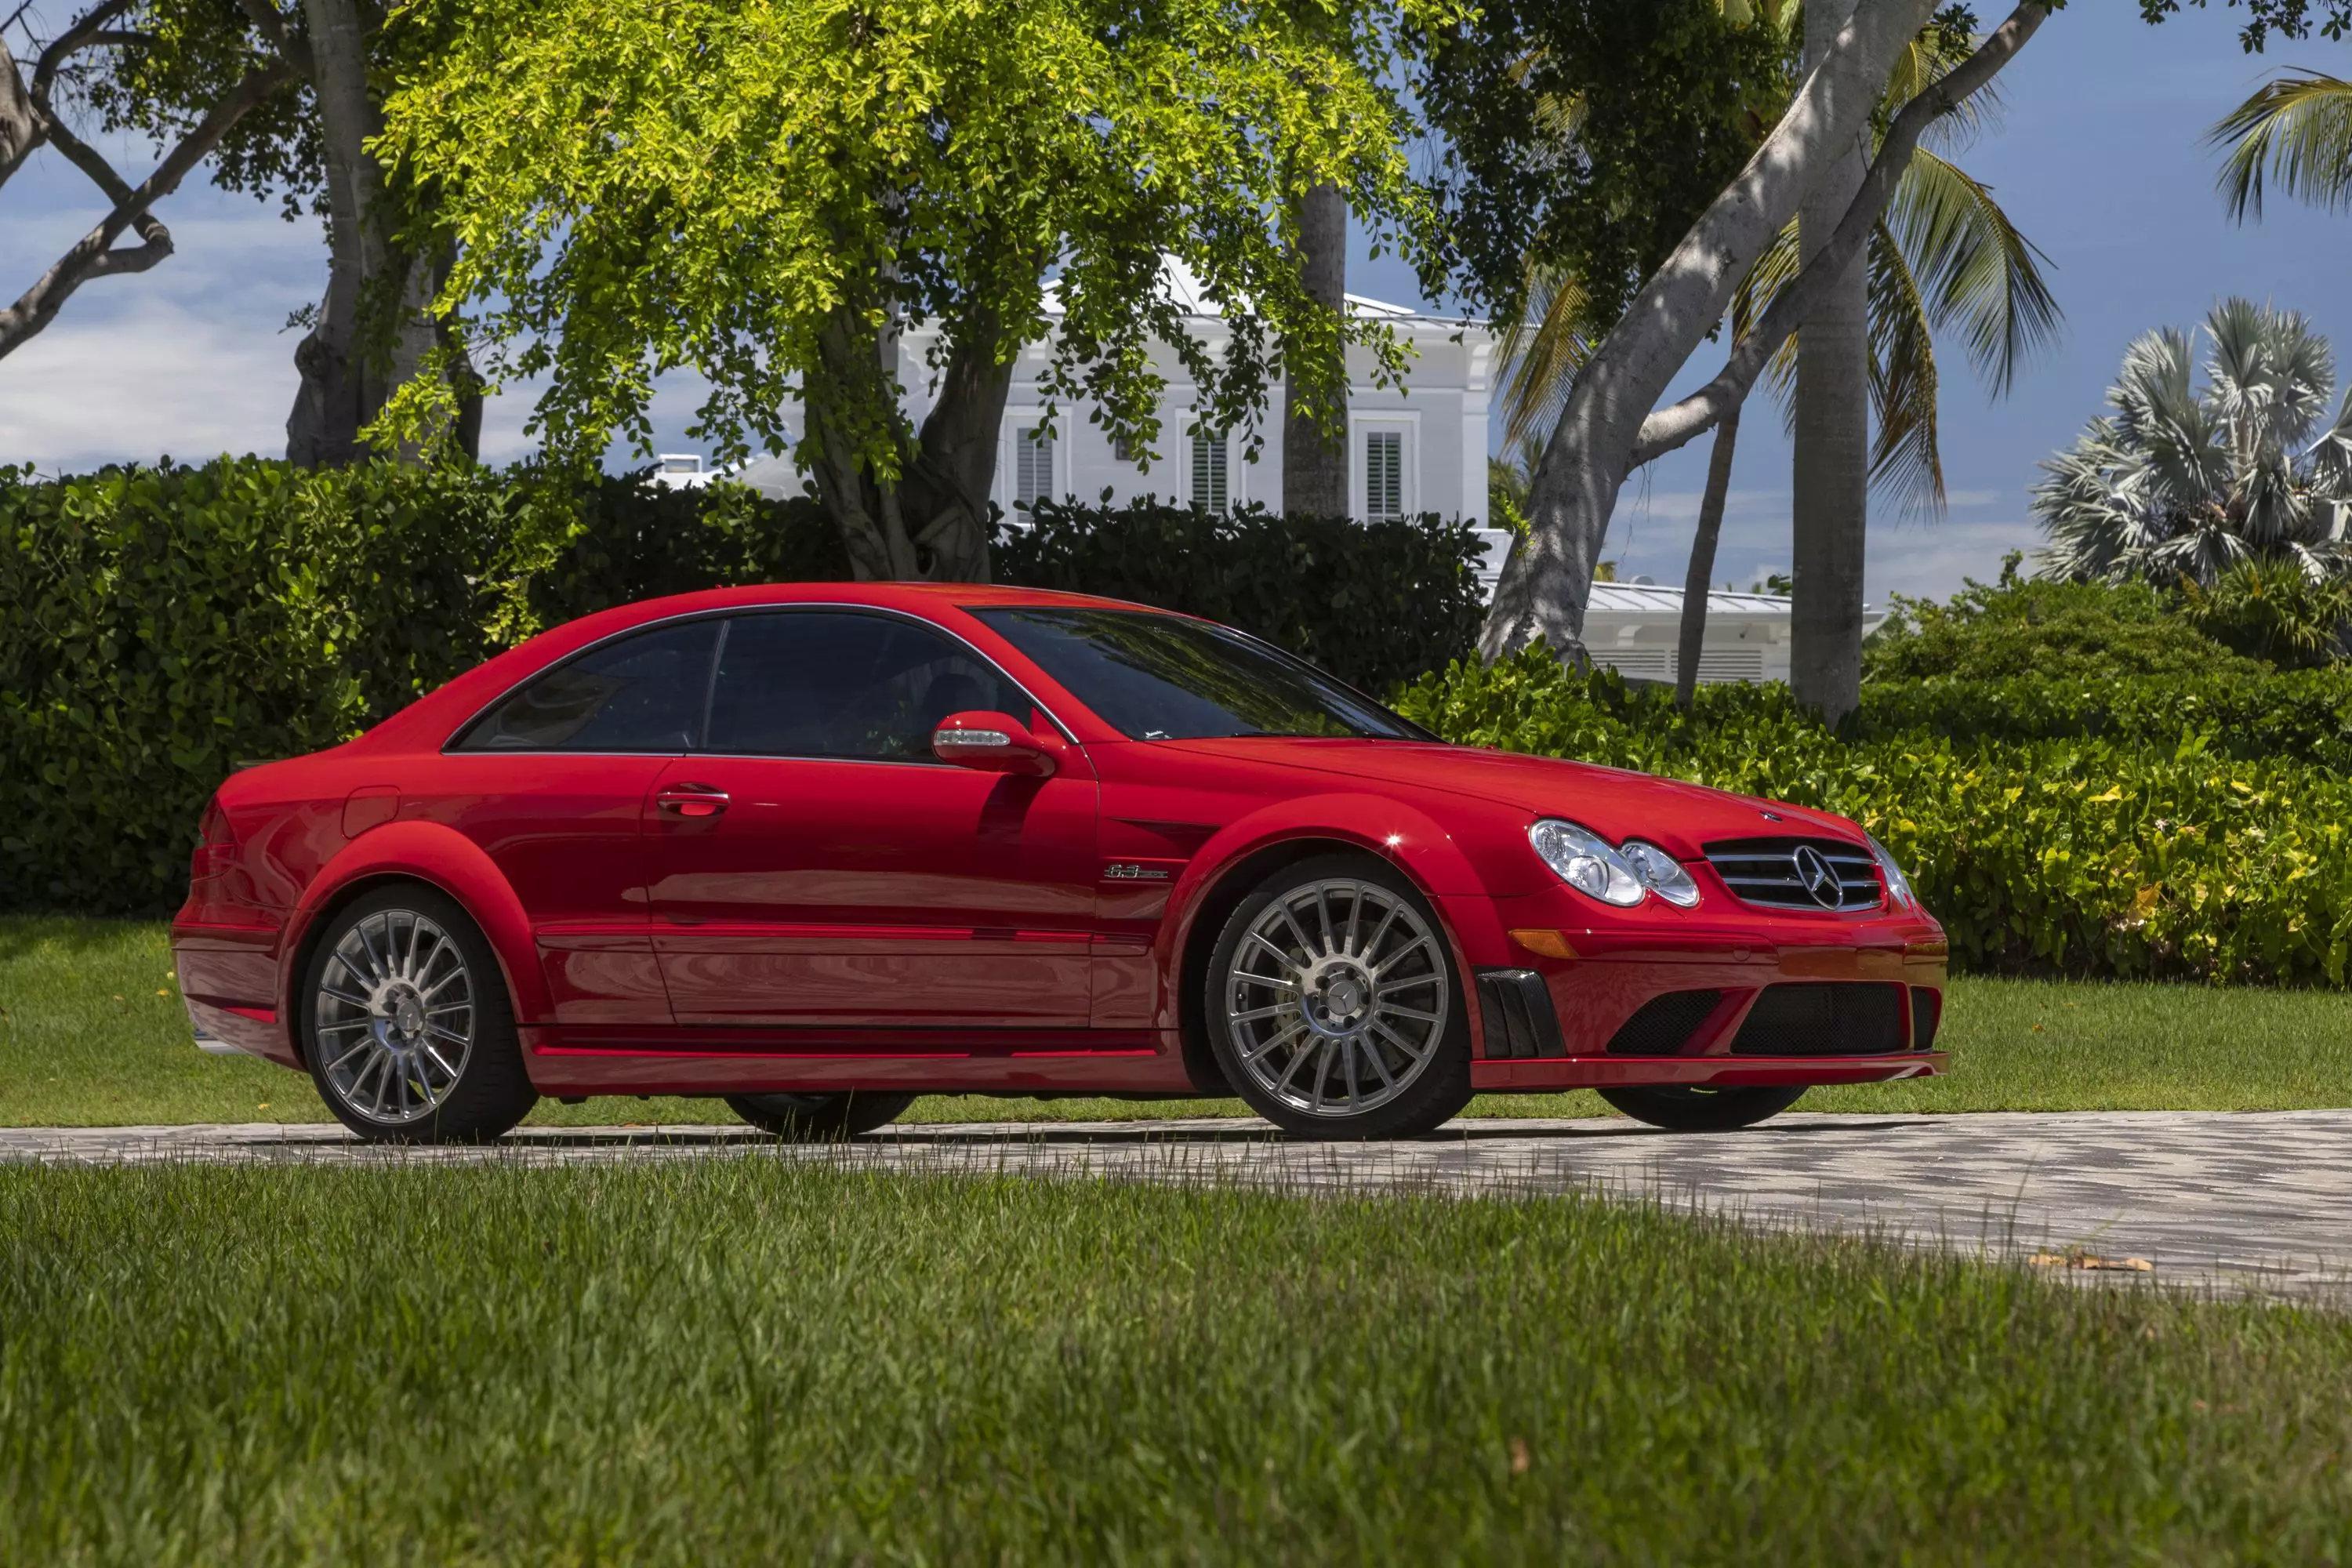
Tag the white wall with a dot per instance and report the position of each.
(1441, 412)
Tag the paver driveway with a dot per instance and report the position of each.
(2259, 1201)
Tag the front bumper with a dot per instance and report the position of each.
(1874, 981)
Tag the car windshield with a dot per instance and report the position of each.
(1168, 677)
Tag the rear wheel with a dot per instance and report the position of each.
(1333, 1006)
(406, 1023)
(1700, 1108)
(814, 1118)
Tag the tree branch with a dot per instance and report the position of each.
(1667, 428)
(270, 23)
(86, 33)
(94, 255)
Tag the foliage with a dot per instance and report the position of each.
(2040, 627)
(165, 624)
(1580, 140)
(1375, 603)
(2297, 128)
(2272, 612)
(2183, 482)
(2146, 854)
(756, 191)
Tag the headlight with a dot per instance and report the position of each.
(1899, 885)
(1586, 862)
(1660, 872)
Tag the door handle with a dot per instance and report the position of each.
(691, 800)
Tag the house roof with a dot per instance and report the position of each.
(1642, 598)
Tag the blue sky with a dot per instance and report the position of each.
(2099, 158)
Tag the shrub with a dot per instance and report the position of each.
(2084, 856)
(1376, 605)
(2036, 626)
(158, 626)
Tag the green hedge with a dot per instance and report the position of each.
(157, 625)
(2144, 857)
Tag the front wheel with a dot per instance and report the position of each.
(1333, 1005)
(814, 1118)
(1697, 1107)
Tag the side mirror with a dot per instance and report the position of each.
(992, 743)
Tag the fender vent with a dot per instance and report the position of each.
(1824, 1018)
(1663, 1024)
(1514, 1007)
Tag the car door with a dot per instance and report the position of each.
(551, 784)
(813, 865)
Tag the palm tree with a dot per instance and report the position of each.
(1944, 258)
(2185, 483)
(2297, 129)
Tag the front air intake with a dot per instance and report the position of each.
(1663, 1024)
(1824, 1018)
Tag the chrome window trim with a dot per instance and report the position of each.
(719, 648)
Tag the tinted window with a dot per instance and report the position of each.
(1168, 677)
(820, 683)
(640, 693)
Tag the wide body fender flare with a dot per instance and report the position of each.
(1404, 837)
(440, 858)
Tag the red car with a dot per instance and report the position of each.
(819, 848)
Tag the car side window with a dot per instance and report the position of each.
(638, 693)
(831, 683)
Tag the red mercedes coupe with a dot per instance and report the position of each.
(819, 848)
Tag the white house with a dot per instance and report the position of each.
(1419, 447)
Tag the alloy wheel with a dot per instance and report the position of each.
(1336, 999)
(395, 1016)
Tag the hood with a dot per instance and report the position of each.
(1616, 803)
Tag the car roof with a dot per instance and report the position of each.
(433, 715)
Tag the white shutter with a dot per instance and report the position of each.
(1384, 476)
(1033, 468)
(1208, 470)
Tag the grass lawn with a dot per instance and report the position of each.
(92, 1032)
(745, 1360)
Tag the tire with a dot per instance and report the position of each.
(817, 1118)
(406, 1023)
(1377, 1042)
(1696, 1108)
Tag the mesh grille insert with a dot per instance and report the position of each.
(1663, 1024)
(1926, 1012)
(1824, 1018)
(1798, 873)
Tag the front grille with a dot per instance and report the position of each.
(1926, 1012)
(1663, 1024)
(1824, 1018)
(1516, 1011)
(1798, 873)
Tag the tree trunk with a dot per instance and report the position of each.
(1701, 576)
(373, 327)
(931, 524)
(1315, 432)
(1832, 433)
(1548, 576)
(1612, 421)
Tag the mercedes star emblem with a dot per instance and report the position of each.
(1819, 879)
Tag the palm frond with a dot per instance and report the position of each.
(1544, 349)
(1976, 272)
(2297, 131)
(1906, 459)
(1927, 59)
(1774, 271)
